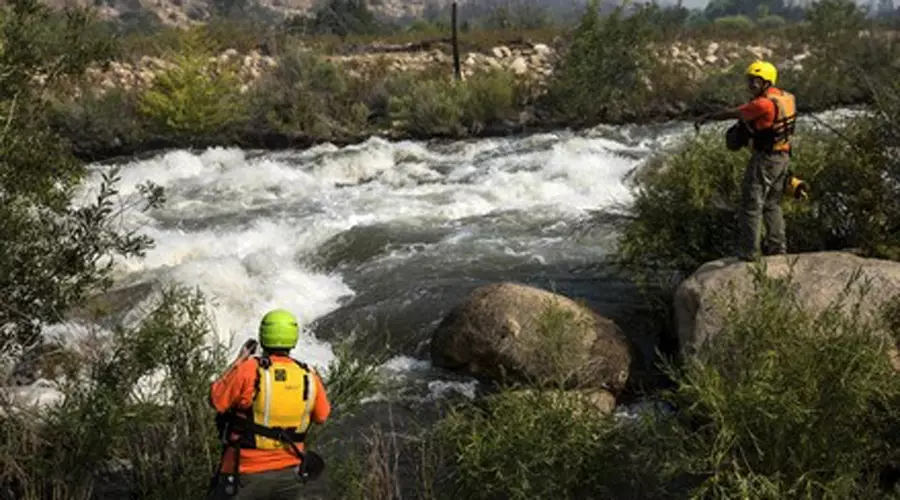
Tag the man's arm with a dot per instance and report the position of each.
(321, 407)
(229, 390)
(747, 112)
(726, 114)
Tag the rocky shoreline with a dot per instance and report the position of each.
(532, 63)
(529, 61)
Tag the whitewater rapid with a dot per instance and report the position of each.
(239, 224)
(341, 235)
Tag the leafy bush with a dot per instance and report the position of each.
(771, 21)
(95, 121)
(491, 97)
(840, 56)
(54, 253)
(784, 402)
(195, 98)
(734, 23)
(443, 107)
(432, 107)
(141, 400)
(600, 76)
(307, 95)
(683, 212)
(524, 445)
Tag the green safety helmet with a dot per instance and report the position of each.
(278, 330)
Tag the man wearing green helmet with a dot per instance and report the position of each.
(265, 405)
(769, 119)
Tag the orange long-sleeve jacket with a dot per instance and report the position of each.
(235, 389)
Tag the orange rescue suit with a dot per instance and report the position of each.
(772, 117)
(275, 392)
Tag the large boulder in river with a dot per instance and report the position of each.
(520, 333)
(819, 280)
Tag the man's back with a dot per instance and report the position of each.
(285, 394)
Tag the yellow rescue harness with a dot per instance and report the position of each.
(282, 405)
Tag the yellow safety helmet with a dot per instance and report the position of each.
(764, 70)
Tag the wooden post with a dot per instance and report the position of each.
(456, 71)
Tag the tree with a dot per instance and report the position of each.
(344, 17)
(54, 253)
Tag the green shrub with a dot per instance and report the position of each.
(770, 21)
(195, 98)
(491, 97)
(443, 107)
(55, 253)
(142, 400)
(307, 95)
(431, 107)
(600, 76)
(840, 56)
(524, 445)
(734, 23)
(95, 121)
(683, 210)
(783, 402)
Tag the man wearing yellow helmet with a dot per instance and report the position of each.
(769, 116)
(265, 405)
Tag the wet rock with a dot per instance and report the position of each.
(505, 330)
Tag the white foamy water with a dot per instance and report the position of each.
(238, 224)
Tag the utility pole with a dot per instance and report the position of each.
(453, 21)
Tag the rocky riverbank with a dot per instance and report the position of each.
(528, 61)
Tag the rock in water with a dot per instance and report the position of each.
(508, 330)
(819, 280)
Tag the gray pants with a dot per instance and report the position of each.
(761, 193)
(271, 485)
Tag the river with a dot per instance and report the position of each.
(378, 241)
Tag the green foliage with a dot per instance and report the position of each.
(307, 95)
(348, 381)
(141, 398)
(431, 107)
(524, 445)
(194, 98)
(840, 56)
(94, 121)
(683, 212)
(54, 253)
(600, 77)
(339, 17)
(737, 23)
(784, 402)
(771, 21)
(441, 106)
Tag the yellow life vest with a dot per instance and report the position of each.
(283, 400)
(778, 137)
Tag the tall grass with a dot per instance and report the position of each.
(136, 420)
(783, 403)
(138, 412)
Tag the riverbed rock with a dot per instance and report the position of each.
(506, 331)
(820, 278)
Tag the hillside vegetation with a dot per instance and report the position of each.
(255, 85)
